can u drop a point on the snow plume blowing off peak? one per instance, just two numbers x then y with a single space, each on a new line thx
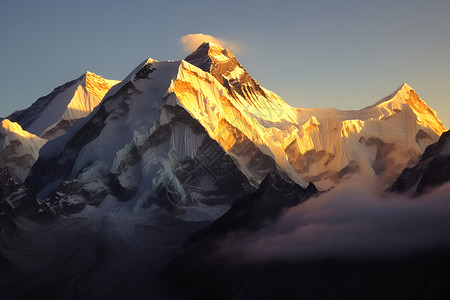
192 41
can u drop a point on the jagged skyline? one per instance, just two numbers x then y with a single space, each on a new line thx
311 54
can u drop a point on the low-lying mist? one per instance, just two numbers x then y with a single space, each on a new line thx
353 220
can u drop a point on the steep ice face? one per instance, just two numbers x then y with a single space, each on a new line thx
19 149
261 104
52 115
319 145
381 139
225 120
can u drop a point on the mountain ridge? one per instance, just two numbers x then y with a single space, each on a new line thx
25 131
254 126
332 135
432 170
51 115
19 149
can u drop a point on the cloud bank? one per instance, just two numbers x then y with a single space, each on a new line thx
352 221
192 41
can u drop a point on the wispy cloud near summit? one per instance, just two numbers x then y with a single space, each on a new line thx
192 41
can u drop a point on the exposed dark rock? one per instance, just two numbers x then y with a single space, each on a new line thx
382 160
18 196
54 169
59 129
422 135
436 173
302 162
432 170
249 213
67 200
351 168
273 196
8 228
246 86
258 163
15 200
143 73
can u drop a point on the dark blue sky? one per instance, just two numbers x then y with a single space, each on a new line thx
344 54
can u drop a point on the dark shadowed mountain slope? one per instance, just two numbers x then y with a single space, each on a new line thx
251 213
432 170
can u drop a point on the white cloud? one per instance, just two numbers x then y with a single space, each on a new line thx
192 41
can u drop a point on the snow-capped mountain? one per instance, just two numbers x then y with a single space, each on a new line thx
19 149
432 170
318 145
170 123
52 115
381 139
168 151
139 145
24 132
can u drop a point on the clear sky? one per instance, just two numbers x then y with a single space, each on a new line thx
323 53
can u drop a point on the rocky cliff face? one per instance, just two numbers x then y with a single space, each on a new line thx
432 170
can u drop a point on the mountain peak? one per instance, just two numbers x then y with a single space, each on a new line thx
217 51
209 45
404 88
19 149
405 94
97 85
14 127
92 76
207 53
211 48
68 102
150 61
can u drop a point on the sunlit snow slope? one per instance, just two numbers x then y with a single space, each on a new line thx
24 132
140 145
319 145
52 115
19 149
